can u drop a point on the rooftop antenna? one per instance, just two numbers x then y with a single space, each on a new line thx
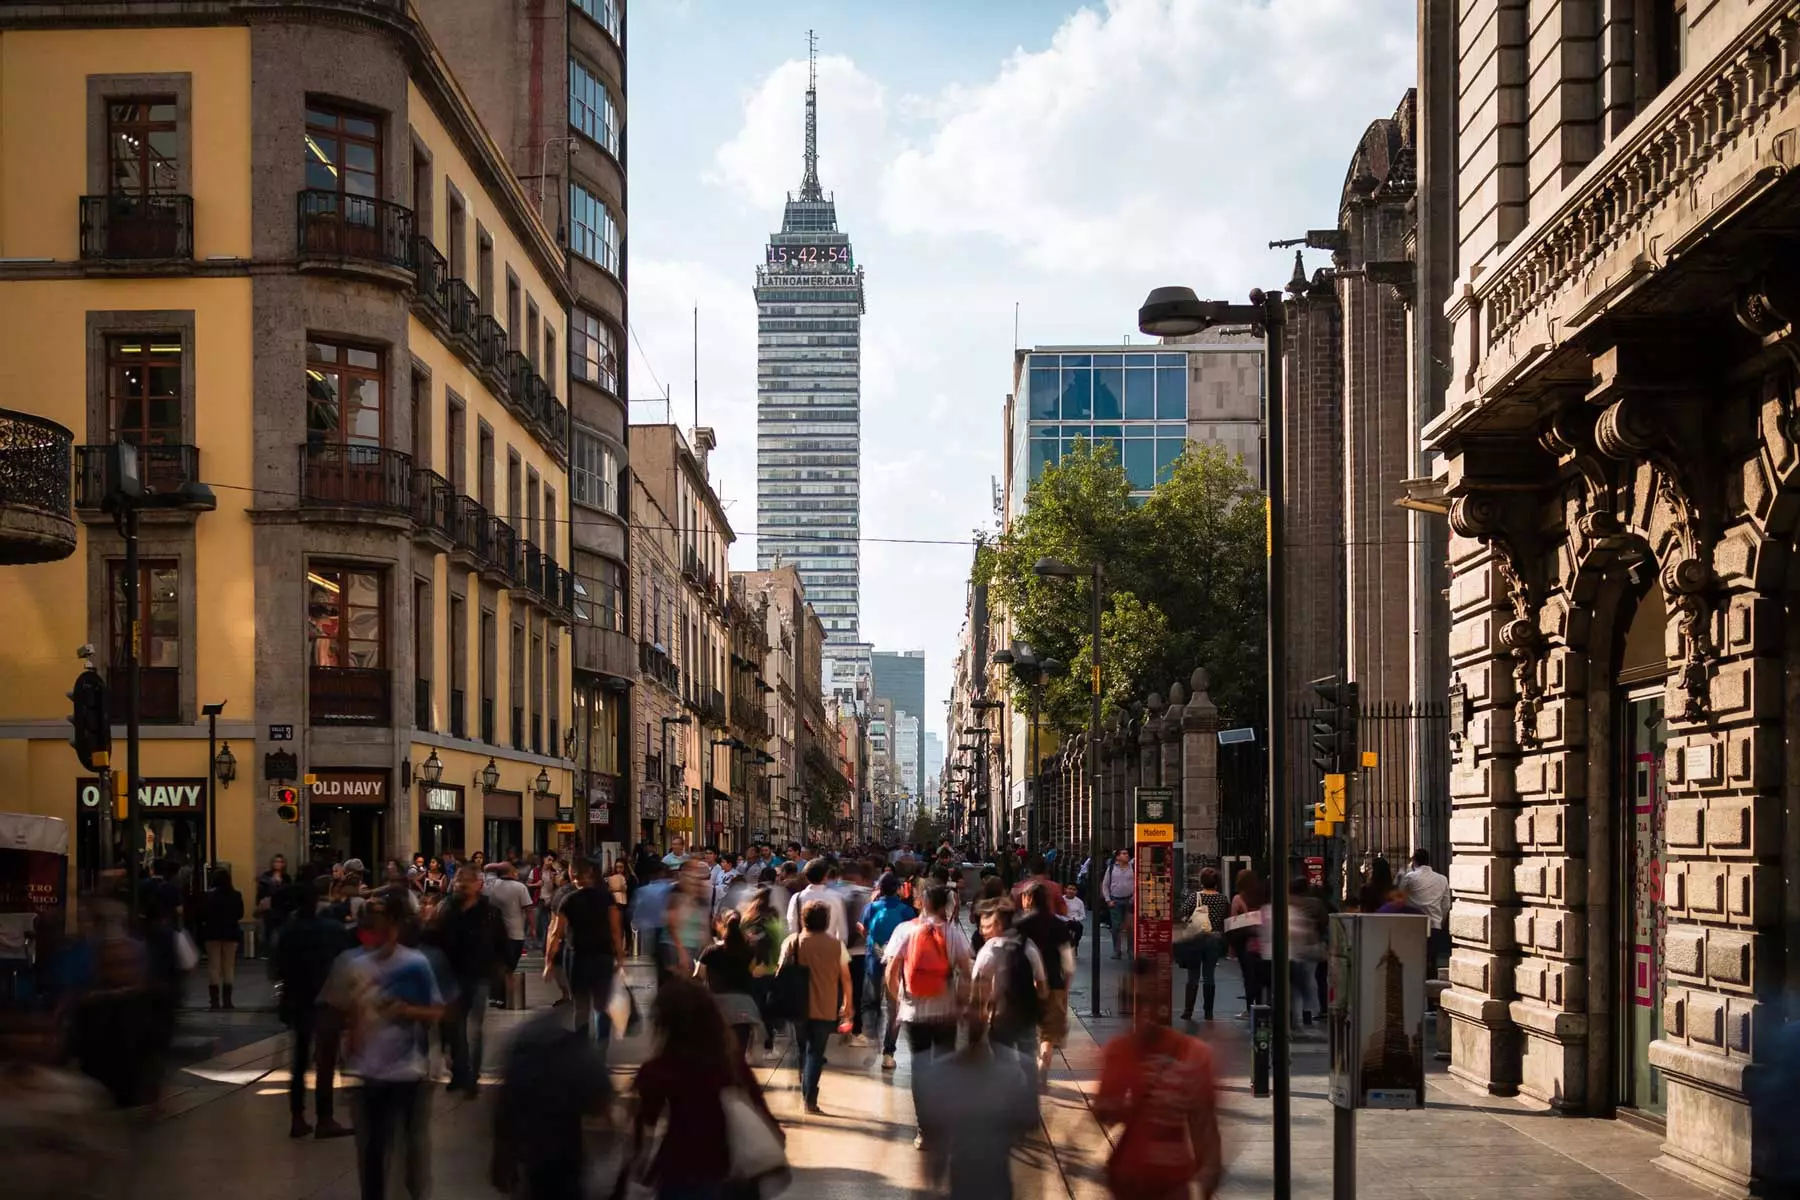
809 181
696 366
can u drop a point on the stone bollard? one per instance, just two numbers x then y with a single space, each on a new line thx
1434 992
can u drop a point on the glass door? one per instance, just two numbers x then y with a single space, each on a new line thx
1645 917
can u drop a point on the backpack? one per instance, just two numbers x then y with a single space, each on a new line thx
1016 1005
928 961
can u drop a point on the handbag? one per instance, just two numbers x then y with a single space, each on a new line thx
790 998
1244 921
187 955
755 1147
618 1004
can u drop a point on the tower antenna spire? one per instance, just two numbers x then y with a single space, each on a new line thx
809 181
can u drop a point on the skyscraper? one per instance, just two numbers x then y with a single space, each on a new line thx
900 676
809 298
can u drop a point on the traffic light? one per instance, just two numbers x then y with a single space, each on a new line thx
1321 822
121 803
1334 725
90 732
287 804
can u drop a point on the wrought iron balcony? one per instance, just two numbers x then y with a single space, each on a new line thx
121 228
490 342
430 287
164 469
530 573
517 372
347 228
433 503
469 528
503 547
461 309
336 474
349 696
35 521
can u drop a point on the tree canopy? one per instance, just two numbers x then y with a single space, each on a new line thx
1183 581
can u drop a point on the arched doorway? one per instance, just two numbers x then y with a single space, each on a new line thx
1640 817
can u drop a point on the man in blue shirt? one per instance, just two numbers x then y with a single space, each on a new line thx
886 913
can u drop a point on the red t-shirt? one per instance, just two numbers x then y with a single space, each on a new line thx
1156 1086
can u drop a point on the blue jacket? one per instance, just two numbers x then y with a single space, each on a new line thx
883 916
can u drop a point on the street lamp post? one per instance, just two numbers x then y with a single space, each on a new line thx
217 764
1178 312
1050 568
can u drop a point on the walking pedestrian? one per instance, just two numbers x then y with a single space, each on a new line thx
554 1082
309 946
827 965
683 1087
469 934
504 891
587 931
1243 936
886 913
981 1107
1202 944
1161 1086
727 967
764 932
220 913
1049 933
1307 922
1011 984
928 977
689 920
272 900
387 996
818 873
1117 886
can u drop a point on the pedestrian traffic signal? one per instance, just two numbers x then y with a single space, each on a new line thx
1334 725
90 733
121 793
287 804
1321 823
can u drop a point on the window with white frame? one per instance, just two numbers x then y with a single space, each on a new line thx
591 108
593 233
593 350
593 471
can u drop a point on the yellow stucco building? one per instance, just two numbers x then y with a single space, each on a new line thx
284 259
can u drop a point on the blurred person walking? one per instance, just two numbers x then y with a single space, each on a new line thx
221 910
1162 1087
387 996
728 968
1011 984
928 978
886 913
1044 929
468 932
982 1106
688 1083
1243 937
1202 944
827 965
304 957
1117 886
553 1082
586 933
513 900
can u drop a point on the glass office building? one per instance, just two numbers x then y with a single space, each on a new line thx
809 299
1145 405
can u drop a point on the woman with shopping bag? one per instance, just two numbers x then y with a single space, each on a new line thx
1201 943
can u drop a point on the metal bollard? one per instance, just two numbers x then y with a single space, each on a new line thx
1262 1037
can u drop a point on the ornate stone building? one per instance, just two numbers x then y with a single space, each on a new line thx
1620 453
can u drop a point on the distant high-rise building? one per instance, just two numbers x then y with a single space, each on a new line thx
900 676
932 766
809 298
907 748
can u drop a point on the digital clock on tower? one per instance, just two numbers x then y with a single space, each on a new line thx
808 256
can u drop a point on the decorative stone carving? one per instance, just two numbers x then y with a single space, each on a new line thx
1478 515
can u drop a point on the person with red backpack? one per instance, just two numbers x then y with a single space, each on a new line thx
929 968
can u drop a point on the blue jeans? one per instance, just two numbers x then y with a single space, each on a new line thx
465 1045
816 1036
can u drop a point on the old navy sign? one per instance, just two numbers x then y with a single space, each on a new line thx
361 788
184 795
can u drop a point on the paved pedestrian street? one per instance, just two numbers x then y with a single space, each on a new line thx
221 1129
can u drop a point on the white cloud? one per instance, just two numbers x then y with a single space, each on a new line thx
765 159
1156 134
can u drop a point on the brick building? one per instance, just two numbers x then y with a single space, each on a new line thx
1619 452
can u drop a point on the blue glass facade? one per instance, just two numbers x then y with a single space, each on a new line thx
1134 402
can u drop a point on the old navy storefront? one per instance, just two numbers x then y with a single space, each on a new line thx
173 811
347 816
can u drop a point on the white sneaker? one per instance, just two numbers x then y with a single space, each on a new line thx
887 1062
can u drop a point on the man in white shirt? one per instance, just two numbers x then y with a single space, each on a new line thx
1429 892
512 898
677 852
816 889
1117 887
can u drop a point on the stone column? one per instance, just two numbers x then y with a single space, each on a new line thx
1200 778
1149 752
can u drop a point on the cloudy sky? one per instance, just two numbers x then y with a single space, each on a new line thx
1059 157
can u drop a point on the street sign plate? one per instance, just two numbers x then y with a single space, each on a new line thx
281 733
565 827
1155 834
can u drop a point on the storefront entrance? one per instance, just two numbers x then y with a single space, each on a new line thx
1646 919
504 826
173 815
440 820
348 818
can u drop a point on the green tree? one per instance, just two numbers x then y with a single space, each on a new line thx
1183 580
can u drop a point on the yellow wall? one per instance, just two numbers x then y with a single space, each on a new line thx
43 130
43 369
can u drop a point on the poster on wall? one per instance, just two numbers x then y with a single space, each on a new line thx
1376 1006
34 869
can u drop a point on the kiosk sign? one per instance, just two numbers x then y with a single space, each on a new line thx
1153 907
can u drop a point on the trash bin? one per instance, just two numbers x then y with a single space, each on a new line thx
515 990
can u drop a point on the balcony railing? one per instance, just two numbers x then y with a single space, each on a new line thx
123 228
469 530
333 473
518 374
431 285
461 307
159 694
530 572
355 228
487 720
349 696
164 468
490 342
422 704
459 723
433 503
34 490
658 666
503 554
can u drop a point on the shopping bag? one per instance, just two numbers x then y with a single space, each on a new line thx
187 955
618 1005
755 1146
